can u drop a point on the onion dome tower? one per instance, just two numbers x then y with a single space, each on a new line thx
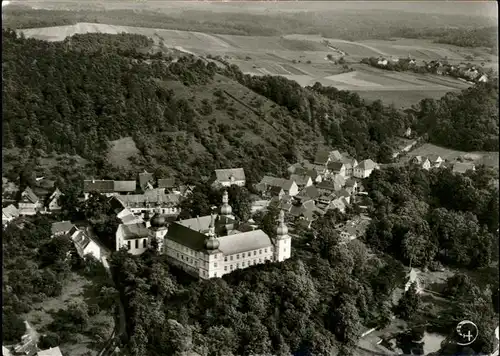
282 229
226 209
211 243
158 220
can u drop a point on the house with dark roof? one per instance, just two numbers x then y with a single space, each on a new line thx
322 158
301 180
166 183
229 177
365 168
462 167
84 244
421 161
336 168
9 213
217 244
307 193
151 200
108 187
30 203
146 180
306 169
289 186
61 228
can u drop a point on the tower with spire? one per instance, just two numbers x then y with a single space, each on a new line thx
157 229
226 209
283 241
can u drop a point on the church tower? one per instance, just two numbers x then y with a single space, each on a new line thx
158 230
226 209
283 241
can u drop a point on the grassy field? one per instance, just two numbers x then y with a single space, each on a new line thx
303 58
78 288
487 158
121 150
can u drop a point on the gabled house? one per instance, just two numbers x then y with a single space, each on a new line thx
61 228
134 236
336 168
151 200
339 203
349 164
229 177
302 181
127 217
322 158
29 204
9 213
435 161
124 186
146 181
330 186
53 202
289 186
365 168
351 185
307 193
167 183
84 244
422 162
27 346
53 351
106 187
483 78
382 62
462 167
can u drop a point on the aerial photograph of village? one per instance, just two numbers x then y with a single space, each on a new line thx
247 178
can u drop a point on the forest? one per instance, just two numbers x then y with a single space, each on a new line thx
416 221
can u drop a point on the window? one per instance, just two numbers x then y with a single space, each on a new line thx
260 260
237 256
231 267
177 254
215 264
231 258
144 243
284 250
225 259
225 268
238 265
136 243
182 257
260 252
129 245
265 250
254 261
254 253
243 264
215 274
249 254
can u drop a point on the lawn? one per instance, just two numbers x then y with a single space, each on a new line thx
121 150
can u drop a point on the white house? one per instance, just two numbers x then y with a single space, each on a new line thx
422 162
229 177
133 236
84 244
302 180
462 167
29 204
9 213
483 78
365 168
53 201
214 245
53 351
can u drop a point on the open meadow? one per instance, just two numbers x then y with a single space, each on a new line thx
303 58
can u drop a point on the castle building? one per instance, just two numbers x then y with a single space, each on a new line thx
217 244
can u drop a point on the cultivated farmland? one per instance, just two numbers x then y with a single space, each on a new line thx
303 58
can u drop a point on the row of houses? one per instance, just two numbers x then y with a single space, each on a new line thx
436 161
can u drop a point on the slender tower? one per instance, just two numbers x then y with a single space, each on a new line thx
283 241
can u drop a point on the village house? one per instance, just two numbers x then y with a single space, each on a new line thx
9 213
305 213
338 202
330 186
382 62
365 168
259 205
168 184
354 229
152 199
53 351
61 228
29 204
229 177
336 168
84 244
483 78
435 160
146 181
307 169
27 346
214 245
289 186
134 236
422 162
462 167
302 181
53 202
127 217
351 185
413 277
108 188
307 193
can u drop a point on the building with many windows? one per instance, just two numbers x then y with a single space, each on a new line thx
217 244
